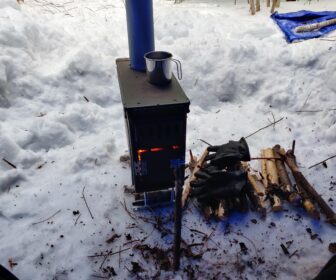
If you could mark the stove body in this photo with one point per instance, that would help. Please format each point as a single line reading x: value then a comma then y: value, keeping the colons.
x: 156, y: 119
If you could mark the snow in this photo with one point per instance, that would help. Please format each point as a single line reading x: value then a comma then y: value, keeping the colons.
x: 239, y: 74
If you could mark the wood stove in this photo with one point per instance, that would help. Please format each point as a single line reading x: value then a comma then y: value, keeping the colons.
x: 155, y: 120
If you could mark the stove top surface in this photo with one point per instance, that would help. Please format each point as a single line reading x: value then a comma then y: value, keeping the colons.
x: 137, y: 92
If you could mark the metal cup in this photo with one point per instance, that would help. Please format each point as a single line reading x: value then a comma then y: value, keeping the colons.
x: 159, y: 67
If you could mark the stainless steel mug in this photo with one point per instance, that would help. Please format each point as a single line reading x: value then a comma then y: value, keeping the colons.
x: 159, y: 67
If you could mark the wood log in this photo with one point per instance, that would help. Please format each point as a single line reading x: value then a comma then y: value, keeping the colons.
x: 315, y: 26
x: 272, y: 179
x: 255, y: 191
x: 186, y: 187
x: 252, y: 7
x: 257, y: 5
x: 302, y: 182
x: 285, y: 184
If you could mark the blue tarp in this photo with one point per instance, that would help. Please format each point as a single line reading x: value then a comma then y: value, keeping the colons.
x: 289, y: 21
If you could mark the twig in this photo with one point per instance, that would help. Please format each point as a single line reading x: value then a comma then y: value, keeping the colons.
x: 9, y: 163
x: 127, y: 211
x: 83, y: 196
x: 264, y: 127
x: 53, y: 215
x: 314, y: 111
x: 294, y: 253
x: 101, y: 265
x: 205, y: 142
x: 321, y: 161
x: 119, y: 256
x: 77, y: 219
x: 304, y: 104
x: 293, y: 146
x: 109, y: 253
x: 98, y: 276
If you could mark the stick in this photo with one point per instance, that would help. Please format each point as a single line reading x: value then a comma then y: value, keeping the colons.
x: 318, y: 25
x: 258, y: 194
x: 9, y: 163
x: 179, y: 175
x: 302, y: 181
x: 285, y: 183
x: 109, y: 253
x: 205, y: 142
x: 77, y: 219
x: 186, y: 188
x: 273, y: 123
x: 321, y: 161
x: 272, y: 179
x: 314, y: 111
x: 83, y: 196
x: 53, y: 215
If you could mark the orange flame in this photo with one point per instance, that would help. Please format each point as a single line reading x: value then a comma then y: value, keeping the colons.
x: 157, y: 149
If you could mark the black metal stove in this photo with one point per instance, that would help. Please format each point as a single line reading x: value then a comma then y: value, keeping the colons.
x: 156, y: 127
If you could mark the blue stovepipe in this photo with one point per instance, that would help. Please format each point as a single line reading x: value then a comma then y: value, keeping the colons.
x: 140, y: 28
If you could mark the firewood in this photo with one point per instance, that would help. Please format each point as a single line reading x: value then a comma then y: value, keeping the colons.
x: 186, y: 188
x: 222, y: 210
x: 255, y: 191
x: 315, y: 26
x: 292, y: 196
x: 207, y: 211
x: 272, y: 179
x: 302, y: 181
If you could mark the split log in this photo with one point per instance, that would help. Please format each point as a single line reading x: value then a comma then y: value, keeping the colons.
x: 186, y: 188
x: 285, y: 184
x: 302, y: 181
x: 271, y: 179
x: 315, y: 26
x: 255, y: 191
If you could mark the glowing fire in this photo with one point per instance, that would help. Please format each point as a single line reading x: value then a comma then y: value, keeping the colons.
x: 157, y: 149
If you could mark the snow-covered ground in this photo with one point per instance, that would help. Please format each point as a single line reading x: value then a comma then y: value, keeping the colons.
x: 61, y: 124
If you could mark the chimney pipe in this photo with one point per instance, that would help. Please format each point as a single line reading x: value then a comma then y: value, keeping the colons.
x: 140, y: 29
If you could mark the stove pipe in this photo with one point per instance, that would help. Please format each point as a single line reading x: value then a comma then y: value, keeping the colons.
x: 140, y: 28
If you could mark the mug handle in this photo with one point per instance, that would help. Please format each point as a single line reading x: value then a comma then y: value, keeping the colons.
x: 178, y: 67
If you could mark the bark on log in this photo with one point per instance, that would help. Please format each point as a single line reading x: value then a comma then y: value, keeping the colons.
x: 255, y: 192
x: 186, y: 188
x: 315, y: 26
x: 285, y: 184
x: 302, y: 181
x: 272, y: 179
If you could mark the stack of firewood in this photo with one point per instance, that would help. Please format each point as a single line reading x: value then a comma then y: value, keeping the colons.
x: 267, y: 188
